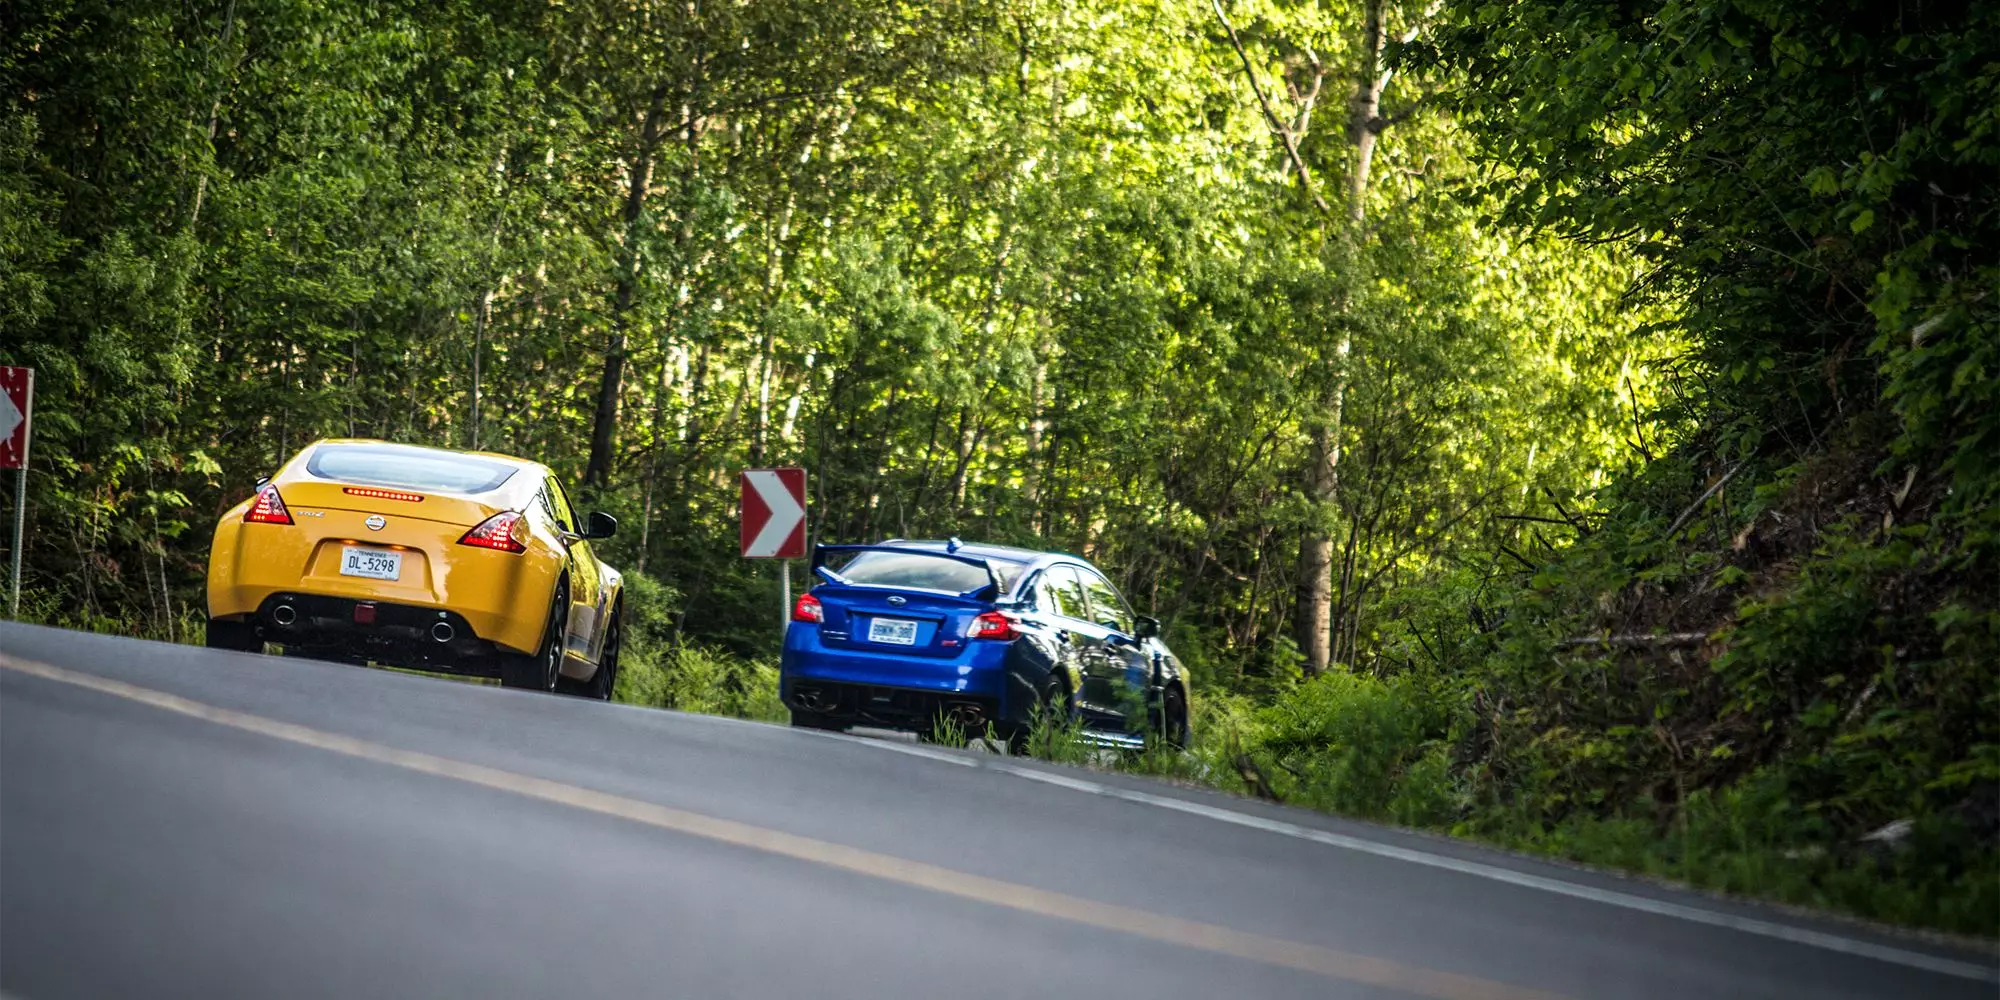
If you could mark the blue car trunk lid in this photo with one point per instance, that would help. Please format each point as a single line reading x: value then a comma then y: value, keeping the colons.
x: 873, y: 618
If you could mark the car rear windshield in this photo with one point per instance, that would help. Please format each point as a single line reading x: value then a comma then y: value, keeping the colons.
x: 924, y: 571
x: 409, y: 468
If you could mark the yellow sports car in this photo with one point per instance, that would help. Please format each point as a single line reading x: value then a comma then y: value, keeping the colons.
x: 464, y: 562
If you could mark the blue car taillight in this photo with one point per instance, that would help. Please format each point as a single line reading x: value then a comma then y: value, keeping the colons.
x: 993, y: 625
x: 807, y: 609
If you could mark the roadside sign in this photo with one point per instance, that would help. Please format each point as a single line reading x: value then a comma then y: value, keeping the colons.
x: 17, y: 405
x: 774, y: 514
x: 17, y: 400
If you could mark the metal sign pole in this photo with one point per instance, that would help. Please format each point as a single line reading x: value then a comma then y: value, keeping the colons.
x: 784, y: 587
x: 20, y: 522
x: 16, y: 423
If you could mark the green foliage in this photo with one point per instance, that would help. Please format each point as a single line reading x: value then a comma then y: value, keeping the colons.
x: 1025, y: 276
x: 1661, y: 366
x: 1358, y: 745
x: 661, y: 670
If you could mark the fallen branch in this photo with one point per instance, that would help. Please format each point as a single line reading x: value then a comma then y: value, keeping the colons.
x: 1713, y: 489
x: 1254, y: 779
x: 1639, y: 641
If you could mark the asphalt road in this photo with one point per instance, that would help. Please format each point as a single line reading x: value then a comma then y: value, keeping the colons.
x: 176, y: 822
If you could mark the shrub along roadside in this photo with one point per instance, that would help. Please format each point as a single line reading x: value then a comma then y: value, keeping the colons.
x: 1391, y: 750
x: 660, y: 669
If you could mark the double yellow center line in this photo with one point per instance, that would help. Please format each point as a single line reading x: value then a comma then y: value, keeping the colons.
x: 1091, y: 913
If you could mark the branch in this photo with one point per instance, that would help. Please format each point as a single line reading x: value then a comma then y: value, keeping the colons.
x: 1705, y: 494
x: 1291, y: 147
x: 1636, y: 641
x: 1312, y: 98
x: 1531, y: 517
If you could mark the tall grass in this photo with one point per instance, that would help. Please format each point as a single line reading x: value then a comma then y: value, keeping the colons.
x: 693, y: 678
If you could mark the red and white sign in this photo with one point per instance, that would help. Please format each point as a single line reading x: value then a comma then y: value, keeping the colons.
x: 17, y: 401
x: 774, y: 514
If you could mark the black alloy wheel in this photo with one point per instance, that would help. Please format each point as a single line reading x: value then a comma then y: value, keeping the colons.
x: 605, y: 682
x: 1052, y: 709
x: 1174, y: 718
x: 541, y: 670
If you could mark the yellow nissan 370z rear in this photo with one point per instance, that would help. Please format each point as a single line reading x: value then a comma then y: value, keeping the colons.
x: 464, y: 562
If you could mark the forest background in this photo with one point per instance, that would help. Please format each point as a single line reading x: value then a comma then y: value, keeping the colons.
x: 1571, y: 424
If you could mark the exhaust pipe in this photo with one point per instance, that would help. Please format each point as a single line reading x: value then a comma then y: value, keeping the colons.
x: 813, y: 699
x: 284, y: 615
x: 441, y: 631
x: 969, y: 718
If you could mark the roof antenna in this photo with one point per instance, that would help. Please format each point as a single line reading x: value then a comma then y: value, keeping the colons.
x: 954, y: 544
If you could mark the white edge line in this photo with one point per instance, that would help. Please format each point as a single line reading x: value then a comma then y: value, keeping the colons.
x: 1609, y: 897
x: 927, y: 754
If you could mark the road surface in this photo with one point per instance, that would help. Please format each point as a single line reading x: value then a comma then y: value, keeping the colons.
x: 179, y: 822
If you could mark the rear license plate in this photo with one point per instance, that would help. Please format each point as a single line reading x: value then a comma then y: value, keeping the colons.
x: 374, y: 564
x: 892, y: 630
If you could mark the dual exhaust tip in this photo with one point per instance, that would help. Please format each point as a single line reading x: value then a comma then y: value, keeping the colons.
x: 813, y: 699
x: 966, y: 716
x: 286, y: 616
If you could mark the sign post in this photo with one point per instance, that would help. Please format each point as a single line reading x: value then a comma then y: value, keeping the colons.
x: 17, y: 405
x: 774, y: 525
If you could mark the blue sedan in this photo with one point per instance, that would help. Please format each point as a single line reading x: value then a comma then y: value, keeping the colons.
x: 906, y: 634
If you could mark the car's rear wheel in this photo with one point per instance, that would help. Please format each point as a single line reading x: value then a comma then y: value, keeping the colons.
x: 1174, y: 718
x: 539, y: 671
x: 605, y: 681
x: 239, y: 636
x: 1052, y: 710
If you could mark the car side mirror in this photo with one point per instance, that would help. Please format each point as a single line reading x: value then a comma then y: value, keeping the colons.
x: 261, y: 480
x: 601, y: 525
x: 1146, y: 628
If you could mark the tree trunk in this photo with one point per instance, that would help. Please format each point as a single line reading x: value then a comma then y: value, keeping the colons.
x: 1314, y: 619
x: 1315, y: 590
x: 1364, y: 123
x: 479, y: 321
x: 768, y: 346
x: 604, y: 429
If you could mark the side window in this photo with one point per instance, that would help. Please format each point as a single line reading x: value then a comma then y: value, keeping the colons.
x: 1064, y: 593
x: 558, y: 505
x: 1105, y: 605
x: 1041, y: 596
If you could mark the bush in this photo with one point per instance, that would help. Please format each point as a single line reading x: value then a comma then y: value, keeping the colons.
x: 1359, y: 745
x: 662, y: 670
x: 692, y: 678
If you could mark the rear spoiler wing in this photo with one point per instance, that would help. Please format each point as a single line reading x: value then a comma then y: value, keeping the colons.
x: 821, y: 552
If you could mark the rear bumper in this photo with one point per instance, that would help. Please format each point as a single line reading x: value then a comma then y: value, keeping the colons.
x: 904, y: 692
x: 346, y: 628
x: 502, y: 596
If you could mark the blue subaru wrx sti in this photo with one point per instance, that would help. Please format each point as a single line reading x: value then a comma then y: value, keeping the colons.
x: 904, y: 634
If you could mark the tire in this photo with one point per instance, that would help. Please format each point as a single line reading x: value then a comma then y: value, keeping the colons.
x: 540, y: 670
x: 815, y: 720
x: 1053, y: 692
x: 1173, y: 729
x: 239, y: 636
x: 605, y: 682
